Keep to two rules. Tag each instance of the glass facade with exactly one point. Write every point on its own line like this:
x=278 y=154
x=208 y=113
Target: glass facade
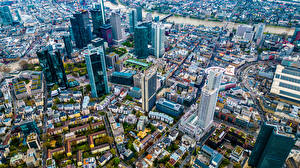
x=132 y=20
x=68 y=45
x=96 y=68
x=81 y=29
x=141 y=42
x=106 y=33
x=53 y=68
x=6 y=15
x=139 y=13
x=269 y=150
x=97 y=20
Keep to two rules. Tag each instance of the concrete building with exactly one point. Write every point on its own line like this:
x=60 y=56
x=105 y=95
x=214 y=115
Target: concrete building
x=115 y=21
x=158 y=39
x=148 y=86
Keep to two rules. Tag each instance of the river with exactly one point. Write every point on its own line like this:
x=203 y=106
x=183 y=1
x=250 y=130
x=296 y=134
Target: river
x=194 y=21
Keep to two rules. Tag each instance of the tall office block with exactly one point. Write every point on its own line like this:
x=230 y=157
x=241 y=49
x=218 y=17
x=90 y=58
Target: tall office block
x=149 y=17
x=141 y=42
x=106 y=33
x=149 y=30
x=158 y=39
x=139 y=13
x=6 y=15
x=209 y=95
x=81 y=29
x=98 y=18
x=68 y=45
x=259 y=31
x=52 y=66
x=272 y=147
x=100 y=6
x=115 y=21
x=96 y=67
x=132 y=20
x=148 y=86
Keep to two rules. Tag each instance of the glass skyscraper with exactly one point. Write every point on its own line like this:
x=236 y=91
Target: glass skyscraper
x=6 y=16
x=148 y=86
x=158 y=40
x=96 y=67
x=115 y=21
x=272 y=147
x=68 y=45
x=141 y=42
x=132 y=20
x=98 y=19
x=52 y=66
x=81 y=29
x=139 y=12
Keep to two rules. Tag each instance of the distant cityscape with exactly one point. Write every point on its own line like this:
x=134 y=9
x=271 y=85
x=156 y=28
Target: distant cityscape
x=153 y=83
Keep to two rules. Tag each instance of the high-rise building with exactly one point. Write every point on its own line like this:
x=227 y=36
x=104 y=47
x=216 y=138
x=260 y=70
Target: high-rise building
x=149 y=29
x=242 y=29
x=68 y=45
x=132 y=20
x=296 y=35
x=259 y=31
x=115 y=21
x=81 y=29
x=141 y=42
x=148 y=86
x=96 y=67
x=106 y=33
x=6 y=16
x=52 y=66
x=98 y=17
x=209 y=95
x=149 y=17
x=272 y=147
x=139 y=13
x=158 y=39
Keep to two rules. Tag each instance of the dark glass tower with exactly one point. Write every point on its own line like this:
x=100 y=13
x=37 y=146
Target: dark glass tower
x=68 y=45
x=132 y=20
x=139 y=12
x=96 y=67
x=6 y=16
x=98 y=19
x=149 y=30
x=141 y=42
x=81 y=29
x=106 y=33
x=53 y=68
x=272 y=147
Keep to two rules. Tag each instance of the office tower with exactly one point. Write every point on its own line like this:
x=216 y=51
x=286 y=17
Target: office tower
x=106 y=33
x=97 y=42
x=148 y=86
x=96 y=67
x=6 y=16
x=158 y=40
x=141 y=42
x=81 y=29
x=139 y=13
x=52 y=66
x=149 y=17
x=259 y=31
x=68 y=45
x=98 y=17
x=209 y=95
x=272 y=147
x=132 y=20
x=115 y=21
x=149 y=30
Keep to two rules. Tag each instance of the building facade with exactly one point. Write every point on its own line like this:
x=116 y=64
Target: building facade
x=132 y=20
x=148 y=86
x=68 y=45
x=115 y=21
x=96 y=67
x=168 y=107
x=141 y=42
x=158 y=40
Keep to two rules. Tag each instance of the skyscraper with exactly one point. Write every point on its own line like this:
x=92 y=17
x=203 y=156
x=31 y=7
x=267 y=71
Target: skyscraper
x=96 y=67
x=6 y=16
x=259 y=31
x=147 y=24
x=52 y=66
x=81 y=29
x=158 y=39
x=115 y=21
x=106 y=33
x=98 y=17
x=132 y=20
x=272 y=147
x=68 y=45
x=209 y=95
x=139 y=11
x=141 y=42
x=148 y=86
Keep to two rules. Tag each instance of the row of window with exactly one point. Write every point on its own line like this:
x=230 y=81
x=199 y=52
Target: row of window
x=288 y=86
x=290 y=72
x=287 y=78
x=289 y=94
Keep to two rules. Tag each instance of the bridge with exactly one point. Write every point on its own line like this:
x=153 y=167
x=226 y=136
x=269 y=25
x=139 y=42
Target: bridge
x=166 y=17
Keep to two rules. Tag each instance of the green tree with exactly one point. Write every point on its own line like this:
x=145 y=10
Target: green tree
x=116 y=161
x=113 y=151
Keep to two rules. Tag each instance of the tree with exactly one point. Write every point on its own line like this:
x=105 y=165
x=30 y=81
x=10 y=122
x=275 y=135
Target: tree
x=72 y=101
x=116 y=161
x=57 y=101
x=55 y=87
x=113 y=151
x=237 y=165
x=224 y=163
x=54 y=107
